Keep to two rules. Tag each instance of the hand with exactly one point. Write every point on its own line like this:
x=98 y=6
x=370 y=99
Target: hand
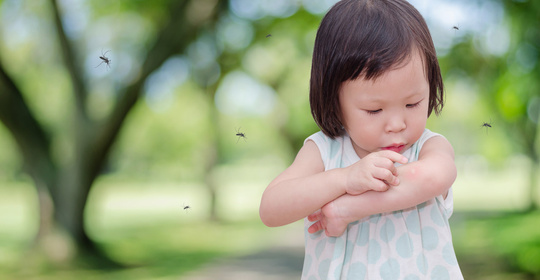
x=375 y=171
x=330 y=219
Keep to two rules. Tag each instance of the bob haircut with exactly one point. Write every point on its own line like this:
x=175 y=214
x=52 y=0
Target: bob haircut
x=364 y=39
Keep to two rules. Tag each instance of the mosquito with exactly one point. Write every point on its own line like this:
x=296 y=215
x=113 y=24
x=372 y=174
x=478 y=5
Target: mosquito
x=186 y=207
x=104 y=59
x=455 y=28
x=487 y=125
x=269 y=35
x=240 y=135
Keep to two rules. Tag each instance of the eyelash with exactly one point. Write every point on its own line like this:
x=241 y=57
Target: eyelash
x=374 y=112
x=414 y=105
x=410 y=106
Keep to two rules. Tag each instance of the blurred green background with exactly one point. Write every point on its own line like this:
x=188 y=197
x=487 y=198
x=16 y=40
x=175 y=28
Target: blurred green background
x=97 y=162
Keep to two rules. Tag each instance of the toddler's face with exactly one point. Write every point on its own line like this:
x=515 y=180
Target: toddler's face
x=389 y=112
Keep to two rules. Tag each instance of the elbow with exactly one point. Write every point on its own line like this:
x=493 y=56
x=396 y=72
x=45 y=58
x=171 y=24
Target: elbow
x=274 y=211
x=442 y=181
x=266 y=215
x=272 y=215
x=267 y=220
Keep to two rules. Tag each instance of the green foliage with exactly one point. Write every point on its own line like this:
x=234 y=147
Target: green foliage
x=10 y=161
x=166 y=135
x=174 y=140
x=500 y=241
x=155 y=252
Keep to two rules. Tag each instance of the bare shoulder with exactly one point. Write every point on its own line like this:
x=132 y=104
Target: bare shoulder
x=437 y=146
x=437 y=156
x=308 y=161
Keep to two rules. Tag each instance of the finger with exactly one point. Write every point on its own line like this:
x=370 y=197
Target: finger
x=386 y=176
x=317 y=215
x=315 y=227
x=391 y=184
x=393 y=169
x=378 y=185
x=393 y=156
x=386 y=163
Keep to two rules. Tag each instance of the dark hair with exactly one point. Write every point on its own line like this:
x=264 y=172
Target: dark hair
x=367 y=38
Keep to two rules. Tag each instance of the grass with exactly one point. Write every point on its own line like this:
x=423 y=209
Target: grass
x=144 y=227
x=489 y=245
x=498 y=245
x=152 y=252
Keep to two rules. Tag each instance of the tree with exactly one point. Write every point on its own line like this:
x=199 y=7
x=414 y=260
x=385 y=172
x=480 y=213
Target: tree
x=68 y=181
x=508 y=82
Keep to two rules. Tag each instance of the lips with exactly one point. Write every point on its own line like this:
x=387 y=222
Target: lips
x=396 y=148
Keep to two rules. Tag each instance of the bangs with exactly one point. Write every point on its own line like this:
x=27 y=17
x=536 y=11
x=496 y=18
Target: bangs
x=379 y=41
x=365 y=39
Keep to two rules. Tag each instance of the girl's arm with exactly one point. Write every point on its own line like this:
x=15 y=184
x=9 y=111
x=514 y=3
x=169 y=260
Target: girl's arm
x=432 y=175
x=301 y=189
x=305 y=186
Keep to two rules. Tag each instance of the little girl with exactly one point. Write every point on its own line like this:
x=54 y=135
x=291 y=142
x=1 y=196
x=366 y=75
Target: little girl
x=374 y=185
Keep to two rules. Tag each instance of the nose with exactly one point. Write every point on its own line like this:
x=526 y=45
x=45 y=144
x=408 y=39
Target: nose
x=395 y=123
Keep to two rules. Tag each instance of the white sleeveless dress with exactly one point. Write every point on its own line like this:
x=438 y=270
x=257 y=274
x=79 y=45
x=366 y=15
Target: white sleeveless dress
x=414 y=243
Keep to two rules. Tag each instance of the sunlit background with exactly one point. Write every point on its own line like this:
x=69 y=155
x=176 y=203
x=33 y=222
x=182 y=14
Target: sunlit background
x=134 y=169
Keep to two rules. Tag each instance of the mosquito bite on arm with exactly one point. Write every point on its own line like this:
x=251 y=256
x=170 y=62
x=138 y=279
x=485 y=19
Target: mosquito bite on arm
x=432 y=175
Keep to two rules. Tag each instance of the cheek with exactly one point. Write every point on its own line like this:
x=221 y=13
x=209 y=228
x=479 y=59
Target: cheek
x=422 y=114
x=419 y=121
x=351 y=117
x=365 y=132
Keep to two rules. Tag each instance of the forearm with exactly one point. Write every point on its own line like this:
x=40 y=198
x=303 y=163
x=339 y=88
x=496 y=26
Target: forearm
x=418 y=184
x=287 y=201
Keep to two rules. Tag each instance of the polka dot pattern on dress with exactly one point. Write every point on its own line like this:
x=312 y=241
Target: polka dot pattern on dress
x=411 y=244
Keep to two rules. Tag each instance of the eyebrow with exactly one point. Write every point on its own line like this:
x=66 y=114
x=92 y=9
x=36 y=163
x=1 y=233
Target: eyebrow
x=377 y=100
x=414 y=94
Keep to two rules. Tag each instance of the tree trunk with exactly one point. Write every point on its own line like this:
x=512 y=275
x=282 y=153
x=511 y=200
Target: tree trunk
x=46 y=210
x=210 y=183
x=533 y=185
x=67 y=184
x=213 y=155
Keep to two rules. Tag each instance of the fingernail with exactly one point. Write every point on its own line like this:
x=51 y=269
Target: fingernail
x=396 y=181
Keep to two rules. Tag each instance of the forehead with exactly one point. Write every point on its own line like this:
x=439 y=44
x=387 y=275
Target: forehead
x=402 y=81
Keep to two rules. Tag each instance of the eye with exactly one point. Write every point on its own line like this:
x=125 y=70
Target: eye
x=373 y=112
x=413 y=105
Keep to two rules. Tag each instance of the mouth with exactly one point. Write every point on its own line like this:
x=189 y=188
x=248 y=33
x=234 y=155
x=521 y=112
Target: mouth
x=396 y=148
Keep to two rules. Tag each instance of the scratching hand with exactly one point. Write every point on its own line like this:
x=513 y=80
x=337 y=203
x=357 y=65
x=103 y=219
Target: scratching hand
x=375 y=172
